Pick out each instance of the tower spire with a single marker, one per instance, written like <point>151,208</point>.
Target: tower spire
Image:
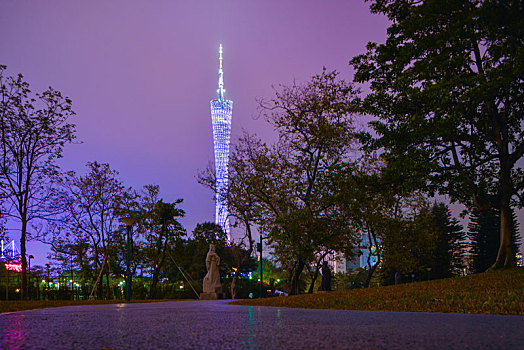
<point>220,90</point>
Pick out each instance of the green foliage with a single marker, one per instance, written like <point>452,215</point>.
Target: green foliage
<point>34,128</point>
<point>159,227</point>
<point>496,292</point>
<point>210,233</point>
<point>431,239</point>
<point>484,238</point>
<point>89,230</point>
<point>447,89</point>
<point>285,188</point>
<point>449,253</point>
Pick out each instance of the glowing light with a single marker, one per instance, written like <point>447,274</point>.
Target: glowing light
<point>9,251</point>
<point>221,112</point>
<point>13,267</point>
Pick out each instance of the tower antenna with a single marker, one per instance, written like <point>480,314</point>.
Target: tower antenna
<point>220,90</point>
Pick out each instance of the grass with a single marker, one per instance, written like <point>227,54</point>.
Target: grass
<point>494,292</point>
<point>19,305</point>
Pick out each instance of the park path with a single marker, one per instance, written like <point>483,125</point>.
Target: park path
<point>217,325</point>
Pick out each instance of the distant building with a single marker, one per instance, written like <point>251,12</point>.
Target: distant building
<point>221,112</point>
<point>339,264</point>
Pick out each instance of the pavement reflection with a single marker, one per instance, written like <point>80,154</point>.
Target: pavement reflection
<point>14,333</point>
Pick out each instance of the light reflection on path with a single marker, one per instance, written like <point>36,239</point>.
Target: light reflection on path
<point>13,336</point>
<point>250,325</point>
<point>217,325</point>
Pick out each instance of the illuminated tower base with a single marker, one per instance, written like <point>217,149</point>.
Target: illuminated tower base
<point>221,112</point>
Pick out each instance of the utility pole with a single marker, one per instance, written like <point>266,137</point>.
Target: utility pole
<point>259,248</point>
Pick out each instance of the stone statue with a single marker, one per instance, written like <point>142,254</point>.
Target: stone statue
<point>212,287</point>
<point>325,284</point>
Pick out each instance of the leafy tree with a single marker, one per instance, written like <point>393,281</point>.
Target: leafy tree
<point>159,224</point>
<point>93,205</point>
<point>447,89</point>
<point>448,257</point>
<point>483,229</point>
<point>374,202</point>
<point>210,233</point>
<point>429,238</point>
<point>286,185</point>
<point>34,129</point>
<point>75,256</point>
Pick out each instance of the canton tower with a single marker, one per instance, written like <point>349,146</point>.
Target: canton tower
<point>221,112</point>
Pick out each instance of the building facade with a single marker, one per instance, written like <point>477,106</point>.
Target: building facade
<point>221,113</point>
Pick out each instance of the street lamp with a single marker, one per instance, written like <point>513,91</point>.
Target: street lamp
<point>47,284</point>
<point>259,248</point>
<point>128,221</point>
<point>29,269</point>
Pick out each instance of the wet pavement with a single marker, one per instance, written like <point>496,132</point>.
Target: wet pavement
<point>217,325</point>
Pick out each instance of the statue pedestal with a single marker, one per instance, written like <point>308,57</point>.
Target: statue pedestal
<point>210,296</point>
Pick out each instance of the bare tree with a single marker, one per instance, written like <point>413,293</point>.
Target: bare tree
<point>93,205</point>
<point>33,131</point>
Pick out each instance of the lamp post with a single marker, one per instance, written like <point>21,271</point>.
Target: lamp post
<point>47,284</point>
<point>29,270</point>
<point>72,279</point>
<point>128,221</point>
<point>259,248</point>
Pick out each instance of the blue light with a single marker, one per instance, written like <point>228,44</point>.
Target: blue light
<point>221,113</point>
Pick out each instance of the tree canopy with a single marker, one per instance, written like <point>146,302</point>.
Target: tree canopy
<point>447,89</point>
<point>34,128</point>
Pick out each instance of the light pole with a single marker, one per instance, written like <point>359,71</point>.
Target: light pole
<point>72,279</point>
<point>29,270</point>
<point>128,221</point>
<point>259,248</point>
<point>47,284</point>
<point>428,269</point>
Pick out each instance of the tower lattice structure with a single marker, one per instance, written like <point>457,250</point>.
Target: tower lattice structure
<point>221,113</point>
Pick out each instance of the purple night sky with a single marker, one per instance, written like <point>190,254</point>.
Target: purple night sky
<point>141,75</point>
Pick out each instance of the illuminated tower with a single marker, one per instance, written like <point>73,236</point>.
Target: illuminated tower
<point>221,111</point>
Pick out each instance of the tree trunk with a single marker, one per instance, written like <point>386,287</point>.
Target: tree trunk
<point>505,256</point>
<point>22,256</point>
<point>234,287</point>
<point>372,238</point>
<point>154,283</point>
<point>108,287</point>
<point>99,286</point>
<point>299,267</point>
<point>313,280</point>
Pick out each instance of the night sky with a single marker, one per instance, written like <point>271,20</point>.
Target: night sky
<point>141,75</point>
